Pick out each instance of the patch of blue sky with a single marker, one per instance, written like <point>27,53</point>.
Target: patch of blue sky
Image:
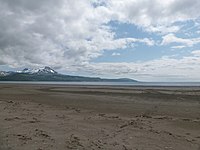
<point>124,30</point>
<point>136,54</point>
<point>140,52</point>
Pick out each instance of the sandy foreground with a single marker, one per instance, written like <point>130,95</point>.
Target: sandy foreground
<point>58,117</point>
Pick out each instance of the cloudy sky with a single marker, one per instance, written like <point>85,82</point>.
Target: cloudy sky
<point>147,40</point>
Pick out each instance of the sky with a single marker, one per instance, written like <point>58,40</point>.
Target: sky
<point>146,40</point>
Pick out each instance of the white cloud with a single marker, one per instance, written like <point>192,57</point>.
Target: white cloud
<point>60,33</point>
<point>178,47</point>
<point>163,69</point>
<point>163,29</point>
<point>116,54</point>
<point>196,53</point>
<point>171,38</point>
<point>156,15</point>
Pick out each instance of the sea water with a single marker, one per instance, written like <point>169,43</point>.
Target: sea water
<point>109,83</point>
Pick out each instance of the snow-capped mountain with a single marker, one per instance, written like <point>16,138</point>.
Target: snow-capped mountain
<point>4,73</point>
<point>45,70</point>
<point>48,74</point>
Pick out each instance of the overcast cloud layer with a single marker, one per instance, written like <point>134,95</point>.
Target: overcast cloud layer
<point>69,34</point>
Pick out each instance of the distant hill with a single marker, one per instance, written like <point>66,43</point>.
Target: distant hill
<point>48,74</point>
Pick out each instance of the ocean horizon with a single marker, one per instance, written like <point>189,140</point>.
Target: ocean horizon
<point>196,84</point>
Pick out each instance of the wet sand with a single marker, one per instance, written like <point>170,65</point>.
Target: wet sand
<point>61,117</point>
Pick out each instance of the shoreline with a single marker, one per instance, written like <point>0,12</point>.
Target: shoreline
<point>113,84</point>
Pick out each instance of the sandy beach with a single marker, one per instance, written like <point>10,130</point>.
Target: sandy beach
<point>62,117</point>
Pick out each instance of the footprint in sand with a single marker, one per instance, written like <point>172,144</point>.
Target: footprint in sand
<point>42,133</point>
<point>73,142</point>
<point>14,118</point>
<point>24,137</point>
<point>34,120</point>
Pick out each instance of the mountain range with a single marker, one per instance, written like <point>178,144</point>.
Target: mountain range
<point>48,74</point>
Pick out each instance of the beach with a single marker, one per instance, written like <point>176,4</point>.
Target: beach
<point>91,117</point>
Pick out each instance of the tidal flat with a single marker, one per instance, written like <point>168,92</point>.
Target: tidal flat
<point>90,117</point>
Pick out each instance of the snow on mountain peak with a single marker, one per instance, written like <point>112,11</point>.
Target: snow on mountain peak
<point>45,70</point>
<point>3,73</point>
